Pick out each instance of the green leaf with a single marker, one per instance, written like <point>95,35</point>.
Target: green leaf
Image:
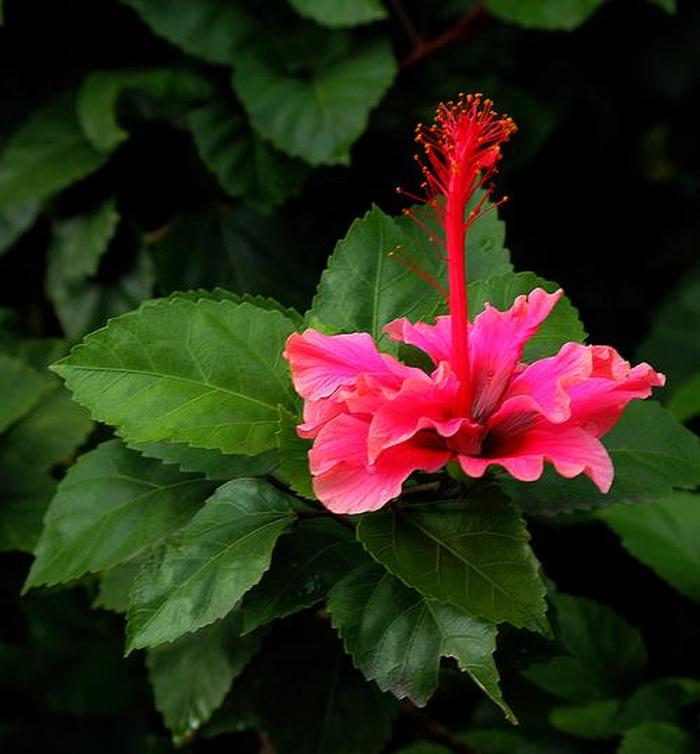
<point>603,655</point>
<point>235,248</point>
<point>21,388</point>
<point>320,116</point>
<point>337,712</point>
<point>685,400</point>
<point>660,701</point>
<point>304,567</point>
<point>116,583</point>
<point>672,345</point>
<point>78,245</point>
<point>243,164</point>
<point>339,13</point>
<point>472,554</point>
<point>545,14</point>
<point>191,676</point>
<point>213,464</point>
<point>102,91</point>
<point>14,221</point>
<point>24,497</point>
<point>213,30</point>
<point>112,505</point>
<point>591,720</point>
<point>363,288</point>
<point>670,6</point>
<point>47,154</point>
<point>294,457</point>
<point>651,451</point>
<point>665,535</point>
<point>396,637</point>
<point>47,436</point>
<point>205,568</point>
<point>562,326</point>
<point>184,371</point>
<point>659,738</point>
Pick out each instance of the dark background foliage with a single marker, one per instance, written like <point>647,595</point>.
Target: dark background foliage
<point>603,181</point>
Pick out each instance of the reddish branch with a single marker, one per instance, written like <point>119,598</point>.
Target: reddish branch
<point>424,47</point>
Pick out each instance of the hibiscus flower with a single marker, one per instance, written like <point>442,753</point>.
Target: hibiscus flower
<point>375,420</point>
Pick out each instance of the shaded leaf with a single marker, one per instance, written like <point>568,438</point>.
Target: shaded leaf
<point>112,505</point>
<point>685,401</point>
<point>659,738</point>
<point>186,371</point>
<point>294,457</point>
<point>14,221</point>
<point>651,451</point>
<point>210,29</point>
<point>665,535</point>
<point>191,676</point>
<point>603,658</point>
<point>24,498</point>
<point>21,388</point>
<point>472,554</point>
<point>101,92</point>
<point>339,13</point>
<point>115,585</point>
<point>545,14</point>
<point>317,117</point>
<point>46,154</point>
<point>396,637</point>
<point>591,720</point>
<point>304,567</point>
<point>244,164</point>
<point>207,566</point>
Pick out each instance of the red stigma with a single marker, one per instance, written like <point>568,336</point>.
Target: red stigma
<point>462,151</point>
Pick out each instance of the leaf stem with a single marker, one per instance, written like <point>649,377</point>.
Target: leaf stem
<point>460,30</point>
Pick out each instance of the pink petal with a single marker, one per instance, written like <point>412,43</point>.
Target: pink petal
<point>316,414</point>
<point>435,340</point>
<point>320,364</point>
<point>343,480</point>
<point>496,342</point>
<point>571,450</point>
<point>598,403</point>
<point>542,387</point>
<point>419,405</point>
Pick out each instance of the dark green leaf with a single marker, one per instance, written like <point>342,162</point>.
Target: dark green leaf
<point>47,154</point>
<point>660,701</point>
<point>78,245</point>
<point>305,565</point>
<point>294,457</point>
<point>338,710</point>
<point>15,221</point>
<point>396,637</point>
<point>318,117</point>
<point>685,400</point>
<point>112,505</point>
<point>191,676</point>
<point>210,29</point>
<point>244,164</point>
<point>659,738</point>
<point>651,451</point>
<point>339,13</point>
<point>235,248</point>
<point>185,371</point>
<point>668,5</point>
<point>21,388</point>
<point>24,497</point>
<point>473,554</point>
<point>592,720</point>
<point>213,464</point>
<point>603,658</point>
<point>363,288</point>
<point>205,568</point>
<point>544,14</point>
<point>101,92</point>
<point>665,535</point>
